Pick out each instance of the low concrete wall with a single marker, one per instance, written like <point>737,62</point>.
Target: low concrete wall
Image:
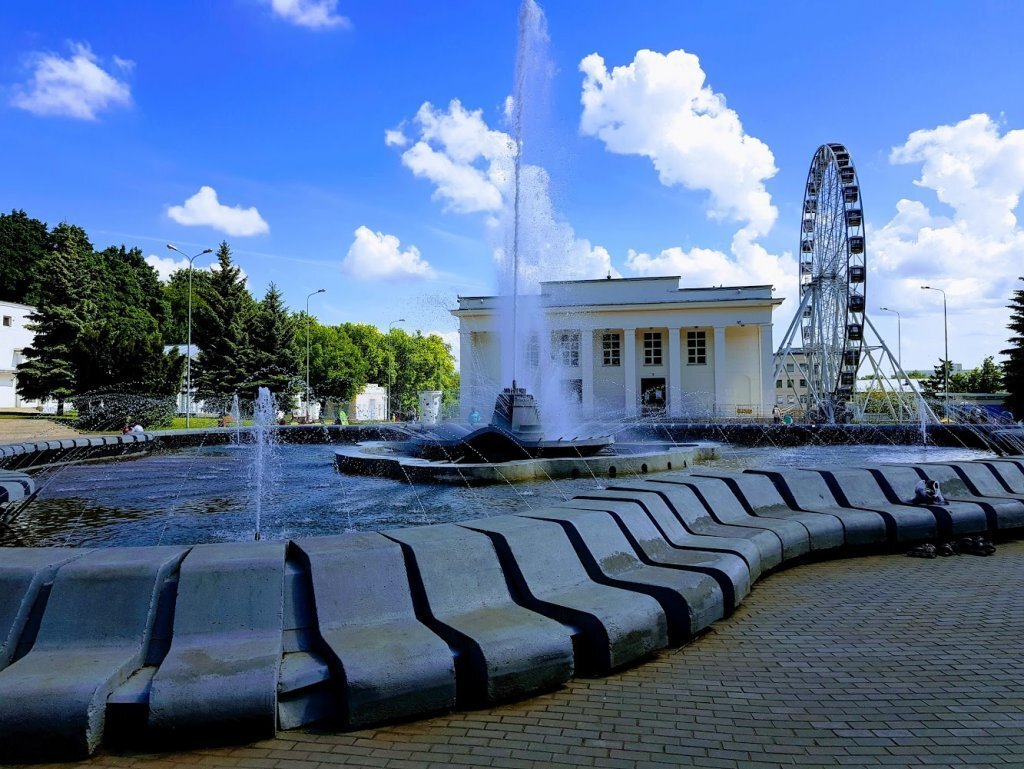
<point>240,639</point>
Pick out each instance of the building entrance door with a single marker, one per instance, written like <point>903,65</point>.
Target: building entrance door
<point>652,397</point>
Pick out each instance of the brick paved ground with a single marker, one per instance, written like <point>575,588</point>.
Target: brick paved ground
<point>874,661</point>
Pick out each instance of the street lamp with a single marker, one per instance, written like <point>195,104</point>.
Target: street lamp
<point>188,344</point>
<point>899,336</point>
<point>391,364</point>
<point>945,363</point>
<point>314,293</point>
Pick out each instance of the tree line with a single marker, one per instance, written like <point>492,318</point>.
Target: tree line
<point>104,324</point>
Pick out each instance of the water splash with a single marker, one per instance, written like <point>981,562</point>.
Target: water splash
<point>264,417</point>
<point>236,416</point>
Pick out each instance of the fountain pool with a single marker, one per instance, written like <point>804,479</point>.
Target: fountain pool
<point>203,494</point>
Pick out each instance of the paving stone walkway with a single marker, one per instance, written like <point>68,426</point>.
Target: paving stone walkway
<point>884,660</point>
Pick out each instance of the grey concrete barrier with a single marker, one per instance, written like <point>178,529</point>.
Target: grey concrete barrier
<point>388,664</point>
<point>616,627</point>
<point>504,651</point>
<point>221,673</point>
<point>807,491</point>
<point>760,498</point>
<point>26,576</point>
<point>1004,509</point>
<point>690,604</point>
<point>687,505</point>
<point>955,518</point>
<point>653,549</point>
<point>859,488</point>
<point>725,507</point>
<point>93,636</point>
<point>1011,472</point>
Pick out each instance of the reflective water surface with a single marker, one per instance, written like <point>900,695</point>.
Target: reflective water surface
<point>202,495</point>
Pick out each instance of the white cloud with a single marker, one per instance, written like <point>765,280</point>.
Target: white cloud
<point>76,87</point>
<point>974,253</point>
<point>468,162</point>
<point>374,255</point>
<point>203,209</point>
<point>659,107</point>
<point>166,266</point>
<point>314,14</point>
<point>394,137</point>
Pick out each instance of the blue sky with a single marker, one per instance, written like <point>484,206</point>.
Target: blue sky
<point>297,130</point>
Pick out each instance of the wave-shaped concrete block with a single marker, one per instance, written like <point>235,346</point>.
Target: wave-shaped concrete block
<point>725,507</point>
<point>616,626</point>
<point>653,549</point>
<point>24,574</point>
<point>391,665</point>
<point>221,673</point>
<point>760,498</point>
<point>1011,472</point>
<point>504,651</point>
<point>94,634</point>
<point>969,513</point>
<point>807,491</point>
<point>690,601</point>
<point>981,484</point>
<point>860,489</point>
<point>687,504</point>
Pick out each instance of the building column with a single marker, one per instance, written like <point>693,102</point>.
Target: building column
<point>675,373</point>
<point>587,370</point>
<point>629,373</point>
<point>767,367</point>
<point>467,374</point>
<point>720,396</point>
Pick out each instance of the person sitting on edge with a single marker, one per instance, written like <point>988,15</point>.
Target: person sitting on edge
<point>928,493</point>
<point>137,428</point>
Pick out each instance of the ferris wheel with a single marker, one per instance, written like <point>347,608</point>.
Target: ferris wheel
<point>832,278</point>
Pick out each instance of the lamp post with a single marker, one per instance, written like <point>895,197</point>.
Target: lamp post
<point>188,344</point>
<point>945,363</point>
<point>899,335</point>
<point>391,364</point>
<point>313,293</point>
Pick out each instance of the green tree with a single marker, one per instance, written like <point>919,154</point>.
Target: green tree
<point>986,378</point>
<point>64,310</point>
<point>935,385</point>
<point>175,329</point>
<point>219,331</point>
<point>24,245</point>
<point>270,359</point>
<point>420,363</point>
<point>1013,366</point>
<point>337,368</point>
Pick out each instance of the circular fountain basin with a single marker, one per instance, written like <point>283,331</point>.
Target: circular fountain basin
<point>388,459</point>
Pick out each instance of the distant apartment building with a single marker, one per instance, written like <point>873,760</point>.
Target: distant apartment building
<point>14,338</point>
<point>791,385</point>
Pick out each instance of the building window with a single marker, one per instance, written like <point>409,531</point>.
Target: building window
<point>803,383</point>
<point>792,399</point>
<point>652,348</point>
<point>789,383</point>
<point>790,368</point>
<point>569,348</point>
<point>696,348</point>
<point>533,352</point>
<point>778,383</point>
<point>611,349</point>
<point>7,320</point>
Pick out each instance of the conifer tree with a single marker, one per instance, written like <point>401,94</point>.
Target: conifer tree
<point>1013,366</point>
<point>65,310</point>
<point>24,244</point>
<point>219,331</point>
<point>271,358</point>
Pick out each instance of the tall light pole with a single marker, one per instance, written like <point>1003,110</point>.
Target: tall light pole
<point>899,335</point>
<point>314,293</point>
<point>188,344</point>
<point>945,363</point>
<point>391,363</point>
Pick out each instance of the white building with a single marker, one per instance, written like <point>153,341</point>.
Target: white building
<point>369,405</point>
<point>626,346</point>
<point>14,338</point>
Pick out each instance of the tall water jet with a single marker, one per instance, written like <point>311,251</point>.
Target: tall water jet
<point>264,418</point>
<point>236,416</point>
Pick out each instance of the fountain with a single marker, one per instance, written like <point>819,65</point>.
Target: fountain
<point>264,419</point>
